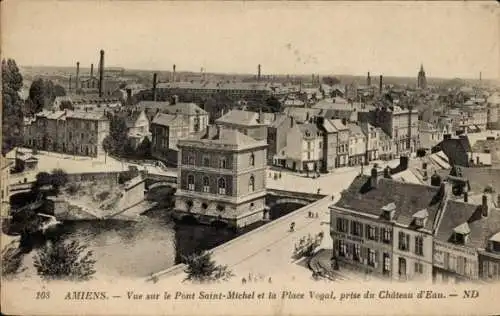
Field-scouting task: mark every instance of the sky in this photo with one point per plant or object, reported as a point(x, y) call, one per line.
point(451, 39)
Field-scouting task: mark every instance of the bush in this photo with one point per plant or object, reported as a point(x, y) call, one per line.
point(103, 195)
point(64, 261)
point(201, 268)
point(12, 261)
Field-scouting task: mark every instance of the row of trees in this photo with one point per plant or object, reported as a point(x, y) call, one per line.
point(42, 94)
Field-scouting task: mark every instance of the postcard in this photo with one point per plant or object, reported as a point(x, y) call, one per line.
point(250, 158)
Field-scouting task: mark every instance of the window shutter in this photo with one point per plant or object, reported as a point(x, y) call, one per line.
point(408, 242)
point(376, 234)
point(367, 231)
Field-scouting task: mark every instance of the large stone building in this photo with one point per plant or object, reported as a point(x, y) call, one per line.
point(222, 178)
point(385, 227)
point(400, 124)
point(68, 132)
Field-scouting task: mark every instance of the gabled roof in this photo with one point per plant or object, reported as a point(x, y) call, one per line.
point(167, 107)
point(309, 130)
point(338, 124)
point(463, 229)
point(165, 119)
point(479, 178)
point(225, 136)
point(408, 198)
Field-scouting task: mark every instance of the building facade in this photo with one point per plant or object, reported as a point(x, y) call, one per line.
point(221, 178)
point(67, 132)
point(385, 228)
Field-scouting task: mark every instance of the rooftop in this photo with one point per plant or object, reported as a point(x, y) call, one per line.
point(465, 218)
point(207, 85)
point(407, 198)
point(222, 136)
point(247, 118)
point(167, 107)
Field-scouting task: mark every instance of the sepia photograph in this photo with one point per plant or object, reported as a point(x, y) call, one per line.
point(250, 157)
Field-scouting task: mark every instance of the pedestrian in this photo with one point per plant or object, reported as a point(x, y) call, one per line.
point(280, 175)
point(243, 281)
point(317, 215)
point(319, 190)
point(270, 280)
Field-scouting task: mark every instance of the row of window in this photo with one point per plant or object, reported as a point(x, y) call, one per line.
point(363, 255)
point(221, 184)
point(383, 234)
point(491, 270)
point(222, 161)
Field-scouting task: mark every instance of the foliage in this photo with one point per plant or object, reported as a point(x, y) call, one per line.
point(64, 261)
point(67, 105)
point(201, 268)
point(273, 104)
point(117, 140)
point(12, 261)
point(42, 178)
point(330, 80)
point(58, 178)
point(42, 94)
point(12, 106)
point(144, 149)
point(72, 188)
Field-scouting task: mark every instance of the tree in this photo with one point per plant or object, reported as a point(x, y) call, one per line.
point(42, 94)
point(41, 179)
point(64, 261)
point(67, 105)
point(330, 80)
point(12, 261)
point(201, 268)
point(273, 104)
point(58, 178)
point(144, 148)
point(12, 106)
point(118, 137)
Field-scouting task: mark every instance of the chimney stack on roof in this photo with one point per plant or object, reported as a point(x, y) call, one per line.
point(484, 205)
point(91, 70)
point(69, 84)
point(368, 80)
point(374, 177)
point(173, 73)
point(101, 73)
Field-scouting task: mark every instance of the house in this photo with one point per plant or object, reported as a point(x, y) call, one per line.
point(304, 149)
point(357, 145)
point(166, 130)
point(385, 228)
point(343, 134)
point(330, 141)
point(276, 135)
point(137, 127)
point(372, 140)
point(464, 246)
point(222, 178)
point(253, 124)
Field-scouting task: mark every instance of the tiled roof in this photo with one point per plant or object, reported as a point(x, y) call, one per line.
point(355, 130)
point(338, 124)
point(408, 199)
point(309, 130)
point(247, 118)
point(165, 119)
point(301, 114)
point(226, 136)
point(82, 115)
point(458, 213)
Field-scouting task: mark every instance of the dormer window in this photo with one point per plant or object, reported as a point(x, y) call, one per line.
point(494, 243)
point(388, 211)
point(420, 218)
point(461, 234)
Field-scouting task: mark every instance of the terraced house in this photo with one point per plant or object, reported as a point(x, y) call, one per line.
point(385, 228)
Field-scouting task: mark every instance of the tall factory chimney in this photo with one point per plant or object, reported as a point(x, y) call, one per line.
point(69, 84)
point(91, 70)
point(77, 80)
point(381, 84)
point(480, 76)
point(173, 73)
point(101, 74)
point(368, 80)
point(155, 77)
point(258, 72)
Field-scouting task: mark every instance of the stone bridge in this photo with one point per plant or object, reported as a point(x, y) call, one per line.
point(156, 180)
point(15, 188)
point(275, 197)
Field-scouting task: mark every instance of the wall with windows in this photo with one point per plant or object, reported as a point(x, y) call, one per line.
point(191, 180)
point(207, 158)
point(412, 254)
point(362, 243)
point(489, 266)
point(251, 159)
point(454, 262)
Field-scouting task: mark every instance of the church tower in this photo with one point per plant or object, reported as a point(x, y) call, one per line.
point(421, 80)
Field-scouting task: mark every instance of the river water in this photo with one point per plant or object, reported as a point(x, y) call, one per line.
point(154, 243)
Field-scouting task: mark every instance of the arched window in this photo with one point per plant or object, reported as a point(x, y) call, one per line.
point(191, 182)
point(222, 186)
point(252, 160)
point(206, 184)
point(251, 184)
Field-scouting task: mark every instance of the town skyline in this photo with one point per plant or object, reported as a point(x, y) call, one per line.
point(300, 44)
